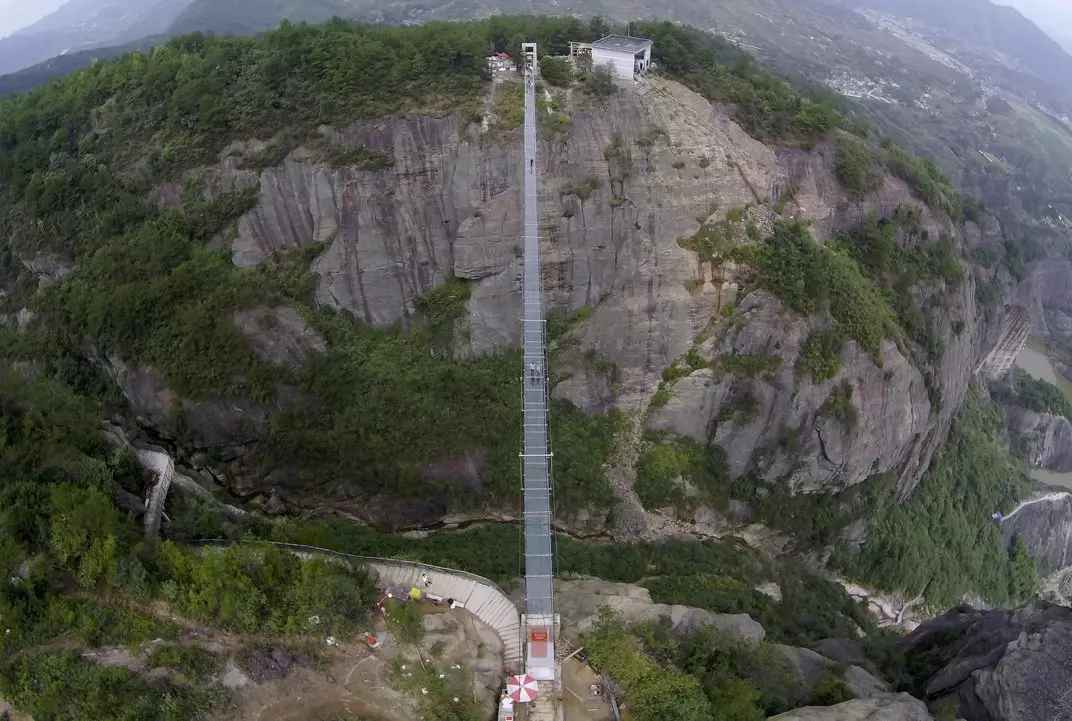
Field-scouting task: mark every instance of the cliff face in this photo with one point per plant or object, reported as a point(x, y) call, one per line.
point(1044, 439)
point(1044, 523)
point(621, 183)
point(1009, 665)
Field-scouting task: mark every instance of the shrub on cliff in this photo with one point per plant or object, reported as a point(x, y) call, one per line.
point(855, 168)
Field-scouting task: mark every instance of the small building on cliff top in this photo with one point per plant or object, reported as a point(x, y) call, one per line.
point(627, 56)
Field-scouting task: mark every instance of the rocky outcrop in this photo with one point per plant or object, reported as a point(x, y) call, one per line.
point(897, 427)
point(579, 602)
point(889, 707)
point(213, 423)
point(893, 428)
point(279, 335)
point(799, 671)
point(1044, 523)
point(48, 267)
point(1044, 439)
point(999, 665)
point(1047, 296)
point(1014, 334)
point(621, 183)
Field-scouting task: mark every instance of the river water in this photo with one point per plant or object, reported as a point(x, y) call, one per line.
point(1033, 360)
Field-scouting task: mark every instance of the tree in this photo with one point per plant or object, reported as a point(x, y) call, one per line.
point(1023, 572)
point(82, 521)
point(556, 71)
point(600, 82)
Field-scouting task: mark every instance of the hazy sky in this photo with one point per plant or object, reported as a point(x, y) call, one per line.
point(17, 14)
point(1053, 16)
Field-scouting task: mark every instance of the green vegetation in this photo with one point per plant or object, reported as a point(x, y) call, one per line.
point(90, 624)
point(927, 182)
point(830, 690)
point(445, 696)
point(64, 687)
point(763, 104)
point(667, 459)
point(61, 530)
point(840, 405)
point(559, 323)
point(740, 406)
point(855, 168)
point(895, 269)
point(749, 365)
point(684, 366)
point(655, 692)
point(704, 676)
point(808, 277)
point(1033, 394)
point(811, 607)
point(821, 356)
point(942, 542)
point(863, 277)
point(583, 191)
point(711, 241)
point(556, 71)
point(509, 106)
point(441, 307)
point(360, 157)
point(193, 662)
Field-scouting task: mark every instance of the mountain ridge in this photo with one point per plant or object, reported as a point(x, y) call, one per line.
point(983, 24)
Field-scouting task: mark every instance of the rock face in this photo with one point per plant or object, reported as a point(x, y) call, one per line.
point(621, 183)
point(889, 707)
point(279, 335)
point(216, 423)
point(579, 602)
point(801, 669)
point(1047, 296)
point(1000, 665)
point(1044, 439)
point(1014, 334)
point(1044, 523)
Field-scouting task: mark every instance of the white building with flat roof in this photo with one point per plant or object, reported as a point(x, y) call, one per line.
point(627, 56)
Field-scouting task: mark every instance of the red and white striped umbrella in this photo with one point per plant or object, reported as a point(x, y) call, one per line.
point(521, 688)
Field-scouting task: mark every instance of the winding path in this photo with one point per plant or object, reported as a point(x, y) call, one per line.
point(478, 595)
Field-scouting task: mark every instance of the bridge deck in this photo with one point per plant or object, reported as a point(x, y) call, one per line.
point(536, 456)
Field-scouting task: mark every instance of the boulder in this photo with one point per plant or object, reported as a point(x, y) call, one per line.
point(579, 602)
point(800, 670)
point(888, 707)
point(998, 665)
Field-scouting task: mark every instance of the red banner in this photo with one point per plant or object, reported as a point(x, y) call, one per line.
point(538, 637)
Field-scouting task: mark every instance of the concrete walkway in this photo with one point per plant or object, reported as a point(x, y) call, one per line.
point(476, 594)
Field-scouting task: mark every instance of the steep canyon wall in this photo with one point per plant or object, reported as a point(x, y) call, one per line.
point(621, 183)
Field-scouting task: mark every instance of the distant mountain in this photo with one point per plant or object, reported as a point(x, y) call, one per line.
point(990, 28)
point(80, 25)
point(70, 38)
point(29, 78)
point(18, 14)
point(248, 17)
point(1054, 17)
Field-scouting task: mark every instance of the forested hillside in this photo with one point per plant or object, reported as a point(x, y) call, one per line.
point(117, 219)
point(146, 288)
